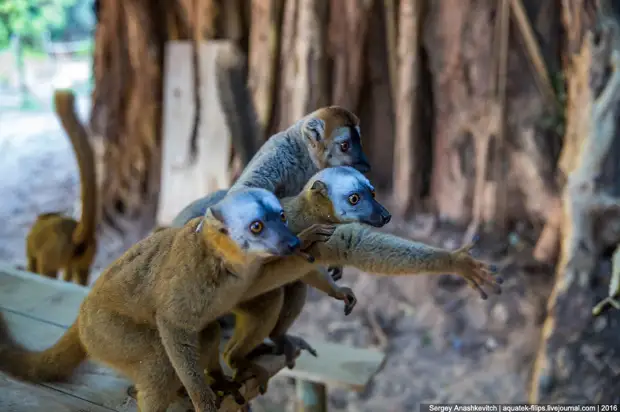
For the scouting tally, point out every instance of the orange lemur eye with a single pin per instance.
(354, 199)
(372, 193)
(344, 146)
(282, 216)
(256, 227)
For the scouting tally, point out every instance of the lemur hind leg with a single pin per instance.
(287, 345)
(256, 319)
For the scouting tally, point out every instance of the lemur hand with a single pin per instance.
(315, 233)
(346, 294)
(475, 272)
(335, 272)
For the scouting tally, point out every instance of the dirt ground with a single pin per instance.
(443, 343)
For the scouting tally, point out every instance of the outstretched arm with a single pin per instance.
(358, 245)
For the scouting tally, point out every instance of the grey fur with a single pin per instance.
(197, 208)
(285, 163)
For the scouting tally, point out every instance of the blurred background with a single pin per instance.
(489, 117)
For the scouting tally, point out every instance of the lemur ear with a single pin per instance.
(320, 188)
(314, 130)
(216, 213)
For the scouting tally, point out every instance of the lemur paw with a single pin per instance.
(475, 272)
(223, 386)
(346, 294)
(245, 367)
(289, 346)
(335, 272)
(315, 233)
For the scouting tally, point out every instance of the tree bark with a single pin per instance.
(376, 104)
(264, 56)
(347, 30)
(407, 170)
(459, 40)
(578, 360)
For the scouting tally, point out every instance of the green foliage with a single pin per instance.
(30, 18)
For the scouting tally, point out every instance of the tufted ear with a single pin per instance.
(313, 130)
(320, 188)
(216, 213)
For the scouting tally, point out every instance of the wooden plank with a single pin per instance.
(214, 140)
(38, 311)
(92, 383)
(98, 384)
(183, 182)
(39, 297)
(58, 302)
(337, 365)
(21, 397)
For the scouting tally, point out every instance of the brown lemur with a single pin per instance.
(57, 242)
(333, 195)
(151, 314)
(327, 137)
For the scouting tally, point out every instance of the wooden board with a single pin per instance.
(337, 365)
(181, 181)
(38, 310)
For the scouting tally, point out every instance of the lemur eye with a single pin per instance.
(344, 146)
(256, 227)
(372, 193)
(354, 199)
(283, 216)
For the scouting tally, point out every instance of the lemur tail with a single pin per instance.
(52, 364)
(64, 101)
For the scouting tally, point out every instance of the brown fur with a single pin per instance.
(58, 242)
(333, 117)
(150, 316)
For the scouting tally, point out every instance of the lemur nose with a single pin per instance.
(294, 244)
(386, 218)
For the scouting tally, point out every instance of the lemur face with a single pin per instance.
(351, 194)
(253, 218)
(335, 139)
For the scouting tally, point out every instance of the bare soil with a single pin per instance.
(443, 343)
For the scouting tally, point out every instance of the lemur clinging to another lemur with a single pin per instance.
(333, 195)
(327, 137)
(58, 242)
(151, 314)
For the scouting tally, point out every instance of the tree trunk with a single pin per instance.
(347, 30)
(303, 61)
(264, 57)
(407, 170)
(578, 358)
(376, 104)
(459, 41)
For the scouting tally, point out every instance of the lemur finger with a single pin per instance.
(305, 256)
(350, 302)
(474, 285)
(303, 345)
(335, 272)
